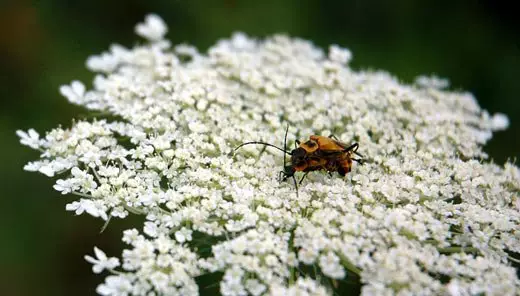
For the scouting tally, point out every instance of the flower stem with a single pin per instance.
(458, 250)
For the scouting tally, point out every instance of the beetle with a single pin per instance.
(317, 153)
(330, 154)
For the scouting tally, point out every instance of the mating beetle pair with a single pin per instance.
(317, 153)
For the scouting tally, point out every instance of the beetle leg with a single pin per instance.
(341, 171)
(354, 147)
(355, 150)
(334, 137)
(358, 154)
(281, 176)
(301, 180)
(295, 186)
(358, 160)
(262, 151)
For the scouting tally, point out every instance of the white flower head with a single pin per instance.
(423, 203)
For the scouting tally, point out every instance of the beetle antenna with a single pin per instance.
(285, 147)
(262, 143)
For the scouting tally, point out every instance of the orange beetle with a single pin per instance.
(317, 153)
(334, 155)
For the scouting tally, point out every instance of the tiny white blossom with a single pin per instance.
(183, 235)
(30, 138)
(107, 61)
(454, 289)
(101, 262)
(432, 82)
(115, 285)
(47, 169)
(32, 166)
(152, 29)
(255, 287)
(330, 266)
(66, 186)
(340, 55)
(74, 92)
(500, 121)
(93, 208)
(150, 229)
(130, 236)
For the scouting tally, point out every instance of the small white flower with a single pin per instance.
(66, 186)
(454, 289)
(330, 266)
(74, 92)
(47, 169)
(160, 281)
(107, 62)
(307, 256)
(33, 166)
(130, 236)
(241, 41)
(340, 55)
(150, 228)
(432, 82)
(500, 121)
(152, 29)
(101, 262)
(255, 287)
(115, 285)
(30, 138)
(108, 171)
(184, 234)
(93, 208)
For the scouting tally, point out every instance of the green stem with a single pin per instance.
(113, 271)
(348, 265)
(134, 210)
(458, 250)
(82, 194)
(106, 224)
(513, 259)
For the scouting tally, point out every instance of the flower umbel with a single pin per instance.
(426, 214)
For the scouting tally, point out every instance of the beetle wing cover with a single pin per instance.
(327, 144)
(310, 146)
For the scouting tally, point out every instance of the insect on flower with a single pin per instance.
(317, 153)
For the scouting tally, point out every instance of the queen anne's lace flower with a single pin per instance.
(426, 213)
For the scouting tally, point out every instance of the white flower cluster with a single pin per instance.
(425, 214)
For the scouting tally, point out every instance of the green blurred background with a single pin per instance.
(44, 44)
